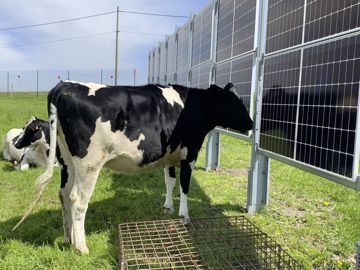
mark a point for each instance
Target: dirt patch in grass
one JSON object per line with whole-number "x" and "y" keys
{"x": 233, "y": 171}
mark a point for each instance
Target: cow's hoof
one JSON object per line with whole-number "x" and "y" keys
{"x": 83, "y": 250}
{"x": 23, "y": 167}
{"x": 185, "y": 220}
{"x": 169, "y": 210}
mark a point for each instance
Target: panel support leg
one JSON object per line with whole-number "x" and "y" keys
{"x": 258, "y": 183}
{"x": 213, "y": 151}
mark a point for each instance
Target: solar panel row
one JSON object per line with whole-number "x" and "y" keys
{"x": 310, "y": 94}
{"x": 311, "y": 80}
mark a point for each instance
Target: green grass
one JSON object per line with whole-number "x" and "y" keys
{"x": 316, "y": 220}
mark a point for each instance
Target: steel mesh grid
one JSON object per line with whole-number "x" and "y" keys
{"x": 209, "y": 243}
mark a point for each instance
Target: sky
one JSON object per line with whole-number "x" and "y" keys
{"x": 83, "y": 57}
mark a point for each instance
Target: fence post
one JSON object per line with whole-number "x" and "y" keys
{"x": 213, "y": 144}
{"x": 8, "y": 83}
{"x": 213, "y": 151}
{"x": 258, "y": 179}
{"x": 37, "y": 83}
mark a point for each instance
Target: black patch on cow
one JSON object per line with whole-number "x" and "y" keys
{"x": 172, "y": 172}
{"x": 64, "y": 172}
{"x": 33, "y": 132}
{"x": 47, "y": 152}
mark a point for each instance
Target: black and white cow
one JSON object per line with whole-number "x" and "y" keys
{"x": 130, "y": 130}
{"x": 35, "y": 139}
{"x": 10, "y": 152}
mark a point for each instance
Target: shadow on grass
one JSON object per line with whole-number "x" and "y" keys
{"x": 136, "y": 198}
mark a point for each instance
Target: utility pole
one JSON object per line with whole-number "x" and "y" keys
{"x": 134, "y": 77}
{"x": 116, "y": 45}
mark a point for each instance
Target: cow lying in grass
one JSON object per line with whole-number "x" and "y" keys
{"x": 130, "y": 130}
{"x": 28, "y": 146}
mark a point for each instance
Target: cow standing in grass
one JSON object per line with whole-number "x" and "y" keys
{"x": 130, "y": 130}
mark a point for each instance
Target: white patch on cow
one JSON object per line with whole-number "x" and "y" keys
{"x": 115, "y": 148}
{"x": 183, "y": 153}
{"x": 93, "y": 87}
{"x": 10, "y": 152}
{"x": 170, "y": 184}
{"x": 192, "y": 164}
{"x": 171, "y": 96}
{"x": 183, "y": 209}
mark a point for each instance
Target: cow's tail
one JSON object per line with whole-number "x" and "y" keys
{"x": 42, "y": 181}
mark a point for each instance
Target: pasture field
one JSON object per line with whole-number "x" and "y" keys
{"x": 315, "y": 220}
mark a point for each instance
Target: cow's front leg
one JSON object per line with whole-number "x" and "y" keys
{"x": 170, "y": 180}
{"x": 185, "y": 176}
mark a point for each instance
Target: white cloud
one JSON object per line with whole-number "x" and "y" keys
{"x": 88, "y": 53}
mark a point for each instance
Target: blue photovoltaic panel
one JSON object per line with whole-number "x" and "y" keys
{"x": 241, "y": 77}
{"x": 284, "y": 24}
{"x": 244, "y": 26}
{"x": 279, "y": 103}
{"x": 196, "y": 45}
{"x": 182, "y": 76}
{"x": 204, "y": 74}
{"x": 325, "y": 18}
{"x": 163, "y": 60}
{"x": 205, "y": 38}
{"x": 225, "y": 30}
{"x": 328, "y": 105}
{"x": 171, "y": 59}
{"x": 195, "y": 77}
{"x": 150, "y": 70}
{"x": 222, "y": 74}
{"x": 156, "y": 65}
{"x": 183, "y": 46}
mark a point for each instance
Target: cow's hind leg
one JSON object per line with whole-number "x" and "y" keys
{"x": 84, "y": 184}
{"x": 67, "y": 181}
{"x": 170, "y": 179}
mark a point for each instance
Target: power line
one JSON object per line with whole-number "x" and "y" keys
{"x": 92, "y": 16}
{"x": 55, "y": 22}
{"x": 154, "y": 14}
{"x": 78, "y": 37}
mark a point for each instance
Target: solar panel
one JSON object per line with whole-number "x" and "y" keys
{"x": 205, "y": 37}
{"x": 150, "y": 68}
{"x": 204, "y": 74}
{"x": 324, "y": 18}
{"x": 244, "y": 26}
{"x": 222, "y": 74}
{"x": 225, "y": 29}
{"x": 285, "y": 24}
{"x": 279, "y": 103}
{"x": 241, "y": 77}
{"x": 171, "y": 59}
{"x": 195, "y": 77}
{"x": 163, "y": 60}
{"x": 156, "y": 65}
{"x": 182, "y": 76}
{"x": 196, "y": 45}
{"x": 183, "y": 46}
{"x": 328, "y": 105}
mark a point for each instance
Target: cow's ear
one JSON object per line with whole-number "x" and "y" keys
{"x": 229, "y": 87}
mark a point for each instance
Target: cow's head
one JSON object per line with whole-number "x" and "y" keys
{"x": 36, "y": 131}
{"x": 228, "y": 108}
